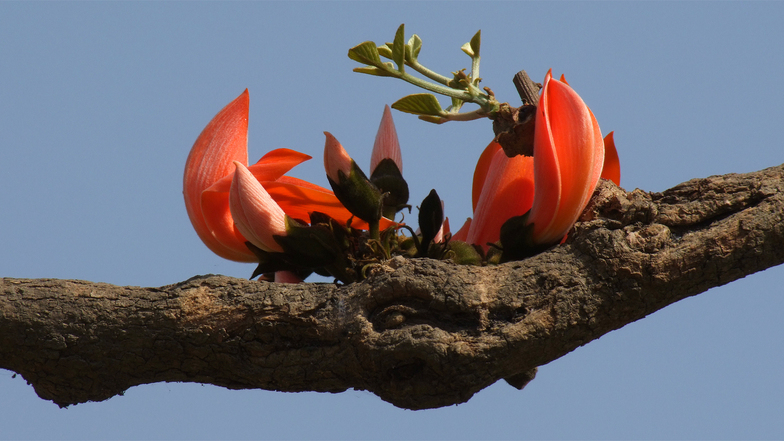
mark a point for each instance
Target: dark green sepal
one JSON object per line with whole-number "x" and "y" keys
{"x": 308, "y": 246}
{"x": 388, "y": 178}
{"x": 358, "y": 194}
{"x": 341, "y": 233}
{"x": 463, "y": 253}
{"x": 317, "y": 247}
{"x": 431, "y": 216}
{"x": 517, "y": 239}
{"x": 269, "y": 262}
{"x": 493, "y": 254}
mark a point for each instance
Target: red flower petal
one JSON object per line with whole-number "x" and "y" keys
{"x": 222, "y": 141}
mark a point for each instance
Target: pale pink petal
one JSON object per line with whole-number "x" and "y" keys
{"x": 444, "y": 227}
{"x": 257, "y": 216}
{"x": 387, "y": 144}
{"x": 335, "y": 158}
{"x": 286, "y": 277}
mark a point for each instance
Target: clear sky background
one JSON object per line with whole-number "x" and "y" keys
{"x": 101, "y": 102}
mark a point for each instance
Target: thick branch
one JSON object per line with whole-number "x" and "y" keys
{"x": 418, "y": 333}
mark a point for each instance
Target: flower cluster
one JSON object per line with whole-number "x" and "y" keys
{"x": 530, "y": 203}
{"x": 291, "y": 227}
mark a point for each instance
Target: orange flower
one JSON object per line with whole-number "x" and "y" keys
{"x": 209, "y": 170}
{"x": 568, "y": 161}
{"x": 569, "y": 157}
{"x": 223, "y": 141}
{"x": 503, "y": 188}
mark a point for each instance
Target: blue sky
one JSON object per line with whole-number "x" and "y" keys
{"x": 101, "y": 102}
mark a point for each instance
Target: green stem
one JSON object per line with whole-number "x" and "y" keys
{"x": 439, "y": 89}
{"x": 475, "y": 70}
{"x": 473, "y": 95}
{"x": 373, "y": 229}
{"x": 469, "y": 116}
{"x": 427, "y": 72}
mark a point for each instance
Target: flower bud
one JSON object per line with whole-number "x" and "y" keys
{"x": 431, "y": 217}
{"x": 351, "y": 186}
{"x": 386, "y": 166}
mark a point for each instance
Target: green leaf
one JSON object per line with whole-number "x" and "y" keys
{"x": 399, "y": 49}
{"x": 365, "y": 53}
{"x": 467, "y": 49}
{"x": 415, "y": 43}
{"x": 475, "y": 41}
{"x": 472, "y": 47}
{"x": 419, "y": 104}
{"x": 385, "y": 51}
{"x": 373, "y": 71}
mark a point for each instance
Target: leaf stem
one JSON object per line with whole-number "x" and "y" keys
{"x": 466, "y": 116}
{"x": 427, "y": 72}
{"x": 437, "y": 88}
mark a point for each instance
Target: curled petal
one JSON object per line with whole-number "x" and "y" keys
{"x": 462, "y": 233}
{"x": 612, "y": 165}
{"x": 569, "y": 156}
{"x": 215, "y": 201}
{"x": 217, "y": 217}
{"x": 508, "y": 191}
{"x": 299, "y": 198}
{"x": 257, "y": 216}
{"x": 480, "y": 173}
{"x": 444, "y": 229}
{"x": 335, "y": 158}
{"x": 222, "y": 141}
{"x": 270, "y": 167}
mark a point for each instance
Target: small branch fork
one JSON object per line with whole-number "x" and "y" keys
{"x": 418, "y": 333}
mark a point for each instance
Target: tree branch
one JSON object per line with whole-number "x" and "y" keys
{"x": 418, "y": 333}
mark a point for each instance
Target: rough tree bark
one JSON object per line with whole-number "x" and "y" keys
{"x": 418, "y": 333}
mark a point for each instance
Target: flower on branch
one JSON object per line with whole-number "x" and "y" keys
{"x": 521, "y": 204}
{"x": 209, "y": 171}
